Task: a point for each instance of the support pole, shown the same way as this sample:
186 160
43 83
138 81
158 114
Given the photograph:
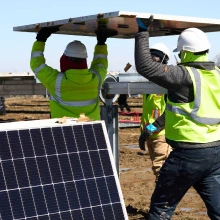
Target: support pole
109 113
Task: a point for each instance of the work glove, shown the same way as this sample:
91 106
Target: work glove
144 24
103 33
44 33
142 140
145 134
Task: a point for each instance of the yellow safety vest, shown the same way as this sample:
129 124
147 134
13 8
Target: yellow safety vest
197 121
77 90
153 107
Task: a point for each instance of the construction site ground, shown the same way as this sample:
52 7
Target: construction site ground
136 177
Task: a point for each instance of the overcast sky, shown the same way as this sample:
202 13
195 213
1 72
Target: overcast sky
16 46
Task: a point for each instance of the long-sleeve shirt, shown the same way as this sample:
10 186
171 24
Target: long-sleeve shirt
175 79
75 91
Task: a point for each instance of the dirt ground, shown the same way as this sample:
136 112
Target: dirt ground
136 177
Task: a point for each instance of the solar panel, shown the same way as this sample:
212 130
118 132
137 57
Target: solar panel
58 171
124 22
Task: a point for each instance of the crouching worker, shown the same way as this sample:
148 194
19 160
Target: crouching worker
75 88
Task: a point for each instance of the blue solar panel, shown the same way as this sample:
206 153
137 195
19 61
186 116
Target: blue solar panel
58 172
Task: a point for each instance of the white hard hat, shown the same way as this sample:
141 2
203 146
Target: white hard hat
76 49
193 40
161 47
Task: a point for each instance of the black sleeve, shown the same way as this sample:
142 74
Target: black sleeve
165 98
160 121
168 76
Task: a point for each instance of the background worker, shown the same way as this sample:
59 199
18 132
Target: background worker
122 99
153 118
192 121
122 102
75 88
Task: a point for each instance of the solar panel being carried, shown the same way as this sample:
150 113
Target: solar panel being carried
125 23
58 171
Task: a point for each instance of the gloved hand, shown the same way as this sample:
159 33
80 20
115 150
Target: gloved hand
144 24
103 33
142 140
44 33
145 134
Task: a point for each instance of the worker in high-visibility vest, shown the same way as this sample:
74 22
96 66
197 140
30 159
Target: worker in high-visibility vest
75 88
192 121
153 118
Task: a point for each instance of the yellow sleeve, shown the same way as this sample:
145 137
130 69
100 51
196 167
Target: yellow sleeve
100 61
45 74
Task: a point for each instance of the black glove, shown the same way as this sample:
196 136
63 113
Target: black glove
142 140
144 24
44 33
143 137
146 132
103 33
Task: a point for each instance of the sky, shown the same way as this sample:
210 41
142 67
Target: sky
15 47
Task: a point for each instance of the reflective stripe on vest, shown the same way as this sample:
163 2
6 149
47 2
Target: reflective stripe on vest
98 56
37 54
39 68
197 101
99 78
71 103
101 65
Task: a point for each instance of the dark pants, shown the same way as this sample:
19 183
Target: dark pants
184 168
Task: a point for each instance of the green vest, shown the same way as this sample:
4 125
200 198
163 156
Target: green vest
77 90
197 121
69 98
153 107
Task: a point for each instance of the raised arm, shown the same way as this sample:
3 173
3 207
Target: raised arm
46 74
100 59
167 76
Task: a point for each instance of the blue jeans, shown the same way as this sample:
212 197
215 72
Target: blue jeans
184 168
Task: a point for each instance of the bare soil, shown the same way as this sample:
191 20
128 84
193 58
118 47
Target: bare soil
136 177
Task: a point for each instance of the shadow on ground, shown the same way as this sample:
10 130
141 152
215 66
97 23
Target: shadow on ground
134 213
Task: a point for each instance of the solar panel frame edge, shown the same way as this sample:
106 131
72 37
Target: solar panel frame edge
44 123
114 170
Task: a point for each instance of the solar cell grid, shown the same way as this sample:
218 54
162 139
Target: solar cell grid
60 172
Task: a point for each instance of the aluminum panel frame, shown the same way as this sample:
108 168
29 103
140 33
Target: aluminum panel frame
125 23
133 88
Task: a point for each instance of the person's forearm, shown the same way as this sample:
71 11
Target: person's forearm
143 60
100 61
37 56
167 76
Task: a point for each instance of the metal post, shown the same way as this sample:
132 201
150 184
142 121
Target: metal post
109 113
